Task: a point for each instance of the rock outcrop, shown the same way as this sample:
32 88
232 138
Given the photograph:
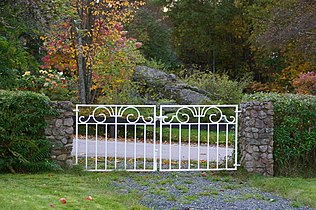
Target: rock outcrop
167 86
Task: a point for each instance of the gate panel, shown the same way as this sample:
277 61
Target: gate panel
198 137
116 137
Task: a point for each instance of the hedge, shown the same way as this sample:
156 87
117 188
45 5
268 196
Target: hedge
23 147
294 132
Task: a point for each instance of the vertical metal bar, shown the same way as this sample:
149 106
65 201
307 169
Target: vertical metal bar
145 131
208 147
160 134
226 146
77 132
115 144
199 133
87 125
154 140
125 139
217 144
135 147
106 148
170 136
96 146
236 136
179 146
189 148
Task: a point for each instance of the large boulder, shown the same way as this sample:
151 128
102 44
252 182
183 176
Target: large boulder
166 86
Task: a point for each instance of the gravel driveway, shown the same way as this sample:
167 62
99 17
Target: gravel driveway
193 190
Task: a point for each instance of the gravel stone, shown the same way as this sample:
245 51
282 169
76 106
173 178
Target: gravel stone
191 190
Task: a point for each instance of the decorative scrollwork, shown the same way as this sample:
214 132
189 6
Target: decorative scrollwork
97 117
186 114
130 117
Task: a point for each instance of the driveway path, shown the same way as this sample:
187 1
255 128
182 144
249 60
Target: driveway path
147 150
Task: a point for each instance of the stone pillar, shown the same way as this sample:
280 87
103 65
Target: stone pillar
256 137
59 132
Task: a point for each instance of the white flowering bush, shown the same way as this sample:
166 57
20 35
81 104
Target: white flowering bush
53 84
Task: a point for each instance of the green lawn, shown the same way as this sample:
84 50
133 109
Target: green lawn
302 191
194 134
38 191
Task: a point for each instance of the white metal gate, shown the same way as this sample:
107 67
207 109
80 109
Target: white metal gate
135 138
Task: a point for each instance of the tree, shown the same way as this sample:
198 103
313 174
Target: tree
21 23
82 34
151 28
210 34
282 40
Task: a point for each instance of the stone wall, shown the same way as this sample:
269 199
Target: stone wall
256 137
59 132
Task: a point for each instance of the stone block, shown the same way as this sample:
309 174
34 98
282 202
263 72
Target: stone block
68 114
58 123
247 129
255 148
253 114
265 141
249 135
56 151
248 158
249 165
264 156
68 122
69 163
264 135
254 142
254 130
262 114
48 131
62 157
69 130
57 144
64 140
263 148
259 123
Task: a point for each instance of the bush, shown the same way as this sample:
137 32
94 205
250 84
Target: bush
52 83
294 132
23 147
305 83
221 89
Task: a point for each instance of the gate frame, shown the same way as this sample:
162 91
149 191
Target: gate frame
160 118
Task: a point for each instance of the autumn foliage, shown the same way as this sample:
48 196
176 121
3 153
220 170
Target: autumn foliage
89 40
306 83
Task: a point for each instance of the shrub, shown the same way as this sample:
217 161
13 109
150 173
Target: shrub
221 89
305 83
294 132
53 84
23 147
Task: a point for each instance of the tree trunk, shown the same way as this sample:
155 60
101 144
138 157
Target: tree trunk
81 73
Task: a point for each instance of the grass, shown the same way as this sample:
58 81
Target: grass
175 132
302 191
195 134
38 191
